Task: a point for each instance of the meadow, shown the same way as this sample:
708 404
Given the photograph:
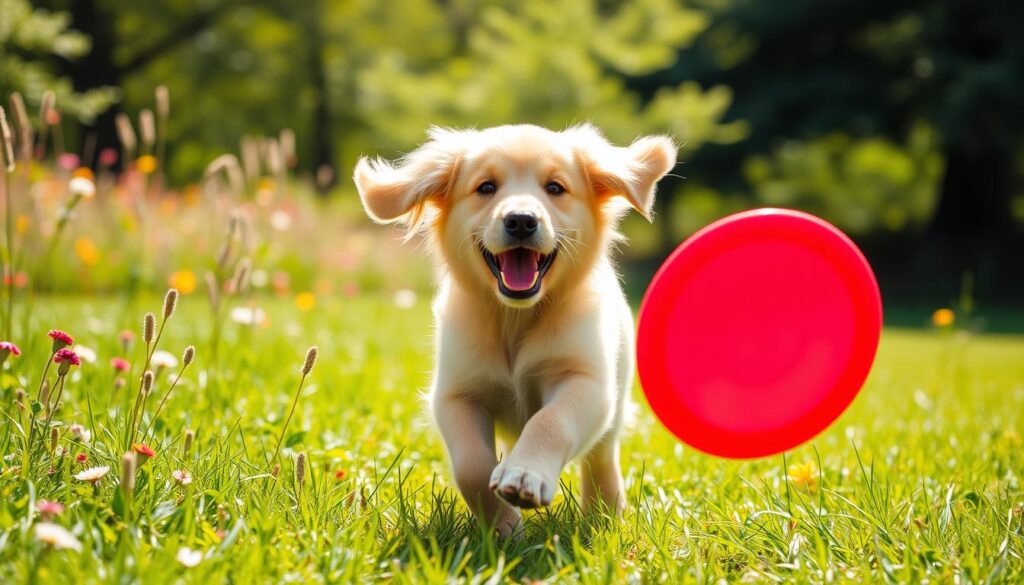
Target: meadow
206 443
920 479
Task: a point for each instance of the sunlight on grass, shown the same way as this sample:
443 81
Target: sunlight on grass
920 478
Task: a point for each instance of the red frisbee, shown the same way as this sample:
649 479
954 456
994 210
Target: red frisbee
758 332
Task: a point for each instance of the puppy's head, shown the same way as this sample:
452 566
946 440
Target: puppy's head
516 211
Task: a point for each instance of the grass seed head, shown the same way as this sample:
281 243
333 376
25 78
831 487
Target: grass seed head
126 134
128 472
240 281
170 302
212 289
147 128
300 469
149 328
276 471
45 105
147 381
307 366
8 142
24 126
190 436
188 355
54 437
163 102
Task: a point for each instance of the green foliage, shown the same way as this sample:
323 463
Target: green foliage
31 40
861 185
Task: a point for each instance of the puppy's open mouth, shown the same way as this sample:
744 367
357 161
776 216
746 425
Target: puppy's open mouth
519 270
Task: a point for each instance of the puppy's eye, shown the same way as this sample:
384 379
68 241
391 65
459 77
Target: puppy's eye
487 188
554 188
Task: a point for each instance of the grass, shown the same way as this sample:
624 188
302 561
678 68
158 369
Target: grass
920 479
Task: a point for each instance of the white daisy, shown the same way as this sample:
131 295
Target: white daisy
57 536
189 557
93 474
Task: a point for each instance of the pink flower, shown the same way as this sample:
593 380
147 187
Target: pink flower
68 161
142 452
120 364
47 508
6 349
66 356
60 339
108 157
81 458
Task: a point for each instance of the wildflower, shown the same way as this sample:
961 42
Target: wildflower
87 252
68 161
120 364
182 476
803 475
47 508
80 433
340 475
66 358
82 187
128 473
108 157
305 301
146 164
183 280
93 474
60 339
170 302
307 365
188 557
8 349
87 354
405 298
188 355
943 317
164 359
127 338
148 328
280 220
81 458
143 453
248 316
57 536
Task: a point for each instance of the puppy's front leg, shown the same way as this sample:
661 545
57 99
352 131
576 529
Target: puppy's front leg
577 413
468 431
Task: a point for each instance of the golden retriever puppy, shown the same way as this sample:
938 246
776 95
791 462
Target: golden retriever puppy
534 335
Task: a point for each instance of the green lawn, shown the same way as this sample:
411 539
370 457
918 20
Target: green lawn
921 478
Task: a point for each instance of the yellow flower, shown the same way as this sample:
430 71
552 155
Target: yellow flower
146 164
943 317
22 223
85 173
803 475
86 251
183 280
305 301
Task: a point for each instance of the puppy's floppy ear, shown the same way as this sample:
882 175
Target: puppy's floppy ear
629 172
400 191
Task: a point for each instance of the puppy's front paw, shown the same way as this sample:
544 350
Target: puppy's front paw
522 487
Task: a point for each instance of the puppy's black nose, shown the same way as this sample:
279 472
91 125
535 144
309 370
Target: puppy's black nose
520 225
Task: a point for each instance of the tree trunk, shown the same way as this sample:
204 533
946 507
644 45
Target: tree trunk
323 118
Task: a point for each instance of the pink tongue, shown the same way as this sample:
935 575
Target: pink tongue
518 268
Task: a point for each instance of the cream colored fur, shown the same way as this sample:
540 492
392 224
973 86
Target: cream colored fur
547 376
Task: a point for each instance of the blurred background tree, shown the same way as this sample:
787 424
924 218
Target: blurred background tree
899 122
